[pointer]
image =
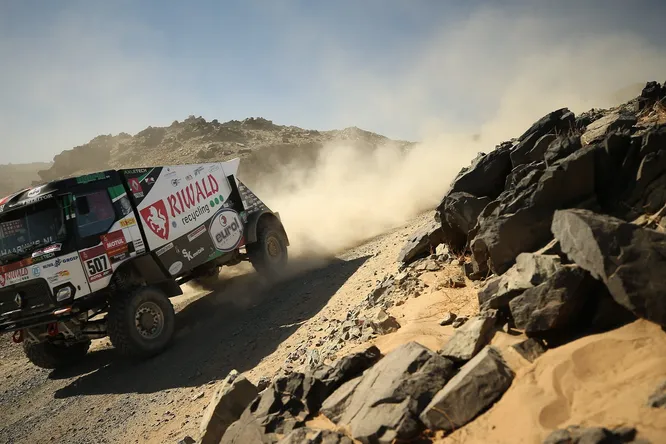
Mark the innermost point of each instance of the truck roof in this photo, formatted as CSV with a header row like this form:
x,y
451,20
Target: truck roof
x,y
31,195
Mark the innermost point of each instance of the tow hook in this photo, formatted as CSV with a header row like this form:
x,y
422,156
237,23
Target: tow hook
x,y
17,337
52,329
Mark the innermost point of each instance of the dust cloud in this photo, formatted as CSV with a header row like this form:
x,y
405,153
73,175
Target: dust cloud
x,y
503,73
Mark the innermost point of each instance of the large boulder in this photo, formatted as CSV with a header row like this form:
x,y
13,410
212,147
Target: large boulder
x,y
486,175
530,269
597,130
630,260
592,435
531,146
653,92
383,405
306,435
469,339
478,385
553,306
229,402
420,244
520,221
562,147
290,401
458,213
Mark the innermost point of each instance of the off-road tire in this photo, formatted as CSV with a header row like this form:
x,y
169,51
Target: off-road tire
x,y
262,255
51,356
121,322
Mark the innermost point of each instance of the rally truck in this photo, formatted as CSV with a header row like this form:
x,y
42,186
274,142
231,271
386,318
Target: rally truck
x,y
102,254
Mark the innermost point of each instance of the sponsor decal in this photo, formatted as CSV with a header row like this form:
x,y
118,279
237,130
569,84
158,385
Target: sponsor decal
x,y
135,186
196,233
175,268
175,182
130,221
156,219
192,195
226,230
191,255
58,276
59,261
136,171
36,271
34,192
149,180
90,178
189,177
97,263
14,276
139,247
50,249
198,171
214,168
43,257
164,249
114,242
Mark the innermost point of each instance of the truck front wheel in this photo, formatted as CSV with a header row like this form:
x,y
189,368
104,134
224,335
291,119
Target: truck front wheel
x,y
50,356
141,324
268,254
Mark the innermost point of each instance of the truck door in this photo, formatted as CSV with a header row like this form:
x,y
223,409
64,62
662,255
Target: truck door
x,y
104,222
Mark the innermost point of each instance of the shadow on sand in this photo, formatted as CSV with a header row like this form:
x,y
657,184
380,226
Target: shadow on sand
x,y
239,323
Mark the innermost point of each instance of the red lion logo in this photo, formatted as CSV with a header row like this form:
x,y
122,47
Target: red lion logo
x,y
157,219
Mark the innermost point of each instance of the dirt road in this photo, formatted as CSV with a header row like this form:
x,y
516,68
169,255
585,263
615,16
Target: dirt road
x,y
241,324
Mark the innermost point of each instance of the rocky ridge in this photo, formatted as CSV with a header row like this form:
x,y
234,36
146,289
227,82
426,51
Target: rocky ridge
x,y
562,228
258,141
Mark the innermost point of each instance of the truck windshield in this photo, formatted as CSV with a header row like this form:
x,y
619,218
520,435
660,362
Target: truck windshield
x,y
23,230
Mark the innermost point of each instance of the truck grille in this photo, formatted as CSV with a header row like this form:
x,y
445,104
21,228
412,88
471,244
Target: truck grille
x,y
25,298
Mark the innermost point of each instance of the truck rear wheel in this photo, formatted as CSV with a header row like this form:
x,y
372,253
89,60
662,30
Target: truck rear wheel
x,y
51,356
142,324
268,254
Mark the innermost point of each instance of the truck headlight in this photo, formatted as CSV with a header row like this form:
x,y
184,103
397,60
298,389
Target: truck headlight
x,y
64,292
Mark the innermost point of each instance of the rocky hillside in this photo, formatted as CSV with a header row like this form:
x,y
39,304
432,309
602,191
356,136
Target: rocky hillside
x,y
258,141
562,229
17,176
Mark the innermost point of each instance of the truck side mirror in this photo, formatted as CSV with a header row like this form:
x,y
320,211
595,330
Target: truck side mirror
x,y
82,205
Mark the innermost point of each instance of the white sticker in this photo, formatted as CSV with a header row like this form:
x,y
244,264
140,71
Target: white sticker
x,y
226,230
175,267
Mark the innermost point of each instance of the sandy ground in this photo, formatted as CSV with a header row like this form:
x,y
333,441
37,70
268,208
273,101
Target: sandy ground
x,y
244,324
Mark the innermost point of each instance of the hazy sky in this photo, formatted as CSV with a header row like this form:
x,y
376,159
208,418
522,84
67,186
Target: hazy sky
x,y
408,69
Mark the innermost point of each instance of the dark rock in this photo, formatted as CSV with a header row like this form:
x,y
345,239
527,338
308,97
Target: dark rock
x,y
652,93
597,130
459,321
382,289
478,384
520,222
247,429
383,323
421,244
306,435
530,349
630,260
229,401
529,270
558,121
553,305
591,435
486,175
458,213
383,404
263,383
649,188
520,172
187,440
469,339
658,398
538,152
448,319
562,147
653,141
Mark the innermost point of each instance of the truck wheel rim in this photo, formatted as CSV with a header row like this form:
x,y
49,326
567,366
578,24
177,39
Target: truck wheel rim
x,y
273,247
149,320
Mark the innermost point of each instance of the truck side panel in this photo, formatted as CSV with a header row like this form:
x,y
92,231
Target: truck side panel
x,y
189,213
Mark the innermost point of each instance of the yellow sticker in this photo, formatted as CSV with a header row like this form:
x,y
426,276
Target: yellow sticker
x,y
127,222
